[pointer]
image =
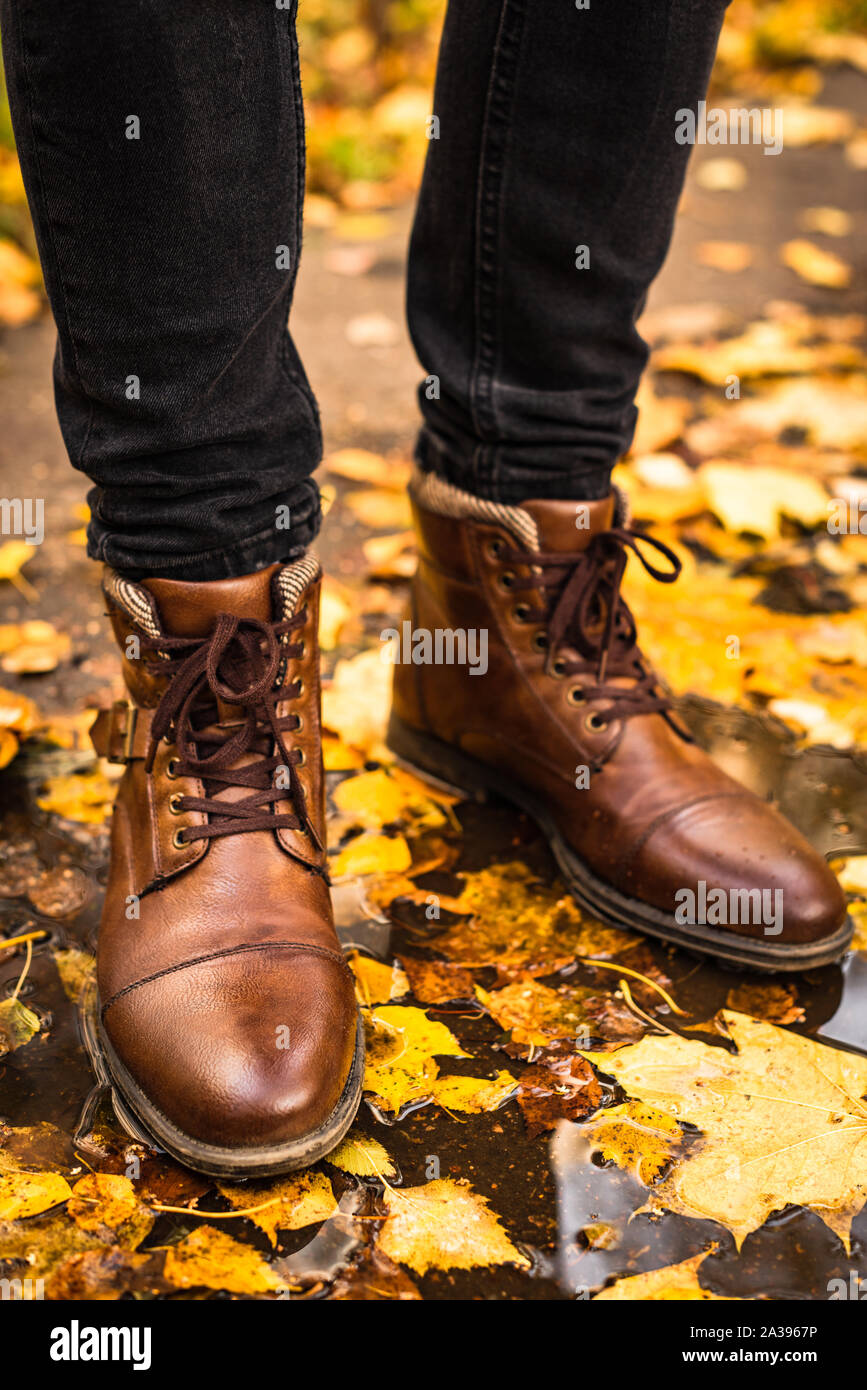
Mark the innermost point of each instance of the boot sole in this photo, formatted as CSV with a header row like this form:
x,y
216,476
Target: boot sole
x,y
442,764
145,1122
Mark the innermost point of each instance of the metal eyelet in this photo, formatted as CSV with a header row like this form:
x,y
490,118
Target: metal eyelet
x,y
177,841
300,725
506,579
539,641
595,721
495,548
302,757
175,804
172,768
521,612
575,695
558,669
300,684
301,648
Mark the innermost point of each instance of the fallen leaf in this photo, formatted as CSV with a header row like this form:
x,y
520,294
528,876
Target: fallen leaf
x,y
783,1124
437,982
370,1278
674,1282
444,1225
472,1095
816,266
729,256
287,1204
565,1090
18,1025
85,797
535,1014
639,1138
362,1157
28,1194
380,509
107,1204
376,983
372,854
210,1259
13,556
829,221
402,1043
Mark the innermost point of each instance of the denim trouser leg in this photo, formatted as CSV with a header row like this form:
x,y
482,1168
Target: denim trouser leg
x,y
163,153
556,133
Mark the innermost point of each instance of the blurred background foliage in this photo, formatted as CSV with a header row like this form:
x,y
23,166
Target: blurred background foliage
x,y
368,68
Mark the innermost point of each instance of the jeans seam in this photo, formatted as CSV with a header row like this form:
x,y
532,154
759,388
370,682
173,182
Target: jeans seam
x,y
489,195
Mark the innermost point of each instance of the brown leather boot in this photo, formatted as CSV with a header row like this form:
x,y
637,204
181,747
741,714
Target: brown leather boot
x,y
227,1014
569,722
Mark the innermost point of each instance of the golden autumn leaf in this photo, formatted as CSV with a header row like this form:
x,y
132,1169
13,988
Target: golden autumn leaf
x,y
783,1120
852,873
376,983
381,509
391,557
362,466
815,265
402,1043
745,498
729,256
356,701
335,607
444,1225
45,1242
8,747
106,1203
210,1259
28,1194
519,924
674,1282
18,1025
77,969
13,556
472,1095
32,648
85,797
286,1204
372,854
639,1138
362,1157
767,347
382,797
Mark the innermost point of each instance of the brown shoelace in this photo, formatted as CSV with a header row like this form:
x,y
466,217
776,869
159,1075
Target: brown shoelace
x,y
238,663
585,612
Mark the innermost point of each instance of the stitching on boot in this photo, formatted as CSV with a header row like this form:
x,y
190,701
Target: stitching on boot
x,y
228,951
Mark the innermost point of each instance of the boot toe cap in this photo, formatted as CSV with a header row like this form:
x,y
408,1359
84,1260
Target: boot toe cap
x,y
768,873
249,1051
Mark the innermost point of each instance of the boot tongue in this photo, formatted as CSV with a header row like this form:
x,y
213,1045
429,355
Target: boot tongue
x,y
569,526
190,610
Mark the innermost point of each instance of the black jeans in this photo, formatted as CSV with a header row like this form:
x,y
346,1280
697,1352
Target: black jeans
x,y
162,147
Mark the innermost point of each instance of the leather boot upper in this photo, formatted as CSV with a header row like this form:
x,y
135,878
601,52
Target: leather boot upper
x,y
222,985
567,689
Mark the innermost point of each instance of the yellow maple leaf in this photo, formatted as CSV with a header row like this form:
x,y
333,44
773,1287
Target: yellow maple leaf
x,y
783,1122
673,1282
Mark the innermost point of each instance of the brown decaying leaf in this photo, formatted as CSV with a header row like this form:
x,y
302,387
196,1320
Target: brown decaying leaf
x,y
437,982
106,1274
370,1278
565,1090
774,1002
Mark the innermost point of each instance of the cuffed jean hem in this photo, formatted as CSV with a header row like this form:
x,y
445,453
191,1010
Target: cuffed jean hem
x,y
509,473
245,556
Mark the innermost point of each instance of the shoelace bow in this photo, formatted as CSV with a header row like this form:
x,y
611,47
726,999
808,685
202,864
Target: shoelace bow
x,y
237,663
584,611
